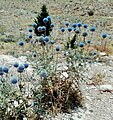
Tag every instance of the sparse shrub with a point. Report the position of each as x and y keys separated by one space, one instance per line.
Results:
x=44 y=20
x=49 y=89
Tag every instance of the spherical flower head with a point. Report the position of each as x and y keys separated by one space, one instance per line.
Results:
x=79 y=24
x=39 y=29
x=85 y=25
x=31 y=42
x=41 y=39
x=49 y=18
x=45 y=20
x=20 y=68
x=5 y=69
x=69 y=29
x=74 y=25
x=43 y=73
x=77 y=31
x=16 y=64
x=21 y=43
x=34 y=54
x=94 y=53
x=67 y=24
x=52 y=25
x=52 y=42
x=30 y=36
x=46 y=39
x=43 y=28
x=26 y=65
x=104 y=35
x=81 y=44
x=35 y=25
x=30 y=30
x=62 y=29
x=93 y=29
x=58 y=48
x=14 y=80
x=1 y=70
x=88 y=41
x=84 y=34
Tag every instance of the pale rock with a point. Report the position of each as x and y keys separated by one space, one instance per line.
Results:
x=61 y=66
x=22 y=58
x=24 y=118
x=102 y=53
x=88 y=98
x=65 y=74
x=106 y=87
x=8 y=109
x=20 y=101
x=16 y=103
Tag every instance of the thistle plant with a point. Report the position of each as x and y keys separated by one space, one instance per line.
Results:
x=55 y=83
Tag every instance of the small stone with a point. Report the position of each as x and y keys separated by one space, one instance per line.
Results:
x=106 y=87
x=102 y=53
x=16 y=103
x=65 y=74
x=88 y=98
x=24 y=118
x=91 y=111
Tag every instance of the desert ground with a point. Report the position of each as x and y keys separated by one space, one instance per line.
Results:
x=17 y=15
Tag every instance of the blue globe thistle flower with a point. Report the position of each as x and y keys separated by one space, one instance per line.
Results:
x=39 y=29
x=5 y=69
x=79 y=24
x=1 y=70
x=62 y=29
x=30 y=30
x=31 y=42
x=21 y=43
x=81 y=44
x=26 y=65
x=45 y=20
x=88 y=41
x=34 y=54
x=41 y=39
x=52 y=25
x=43 y=28
x=67 y=24
x=30 y=36
x=52 y=41
x=69 y=29
x=94 y=53
x=16 y=64
x=46 y=39
x=104 y=35
x=35 y=25
x=14 y=80
x=85 y=25
x=84 y=34
x=58 y=48
x=74 y=25
x=49 y=18
x=20 y=68
x=43 y=73
x=92 y=29
x=77 y=31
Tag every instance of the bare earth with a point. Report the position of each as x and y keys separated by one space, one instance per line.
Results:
x=16 y=15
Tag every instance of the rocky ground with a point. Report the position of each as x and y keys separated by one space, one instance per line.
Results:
x=16 y=15
x=97 y=90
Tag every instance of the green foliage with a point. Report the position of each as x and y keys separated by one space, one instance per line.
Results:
x=39 y=21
